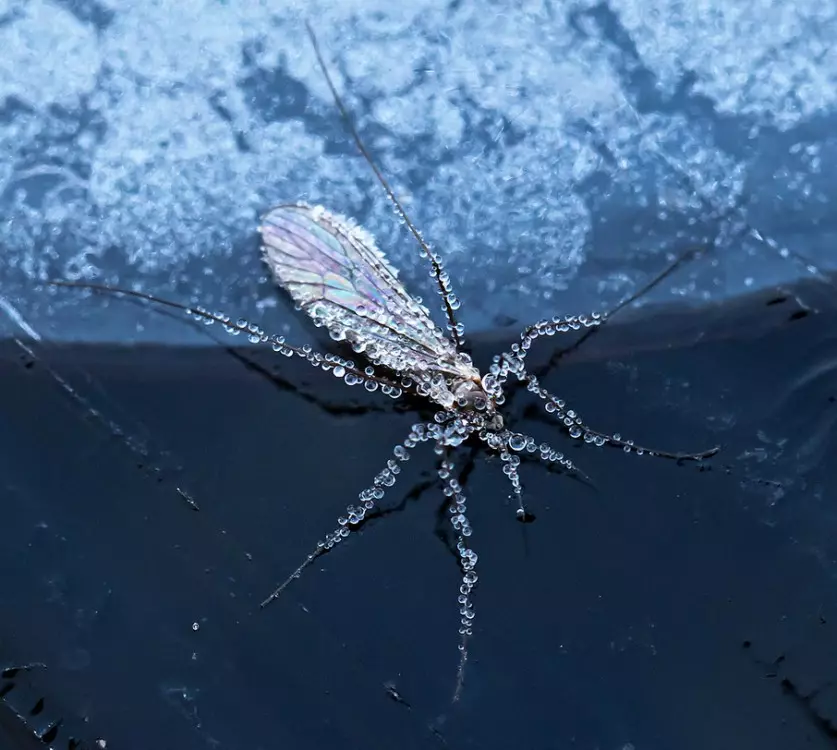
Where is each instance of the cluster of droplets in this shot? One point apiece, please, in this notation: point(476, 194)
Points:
point(380, 330)
point(450, 302)
point(437, 388)
point(559, 324)
point(512, 361)
point(355, 514)
point(493, 387)
point(508, 443)
point(368, 498)
point(359, 236)
point(455, 430)
point(467, 557)
point(341, 368)
point(574, 424)
point(391, 343)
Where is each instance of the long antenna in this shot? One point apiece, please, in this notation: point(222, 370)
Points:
point(443, 283)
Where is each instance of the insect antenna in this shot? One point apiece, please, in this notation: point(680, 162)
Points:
point(338, 366)
point(368, 499)
point(449, 299)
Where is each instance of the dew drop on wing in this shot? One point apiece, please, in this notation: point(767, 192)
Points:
point(337, 275)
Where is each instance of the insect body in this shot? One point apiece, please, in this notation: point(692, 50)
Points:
point(334, 272)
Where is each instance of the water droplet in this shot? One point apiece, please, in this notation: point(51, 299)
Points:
point(517, 442)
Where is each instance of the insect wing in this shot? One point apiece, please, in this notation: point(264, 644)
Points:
point(333, 270)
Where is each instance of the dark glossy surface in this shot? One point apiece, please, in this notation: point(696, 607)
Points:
point(668, 607)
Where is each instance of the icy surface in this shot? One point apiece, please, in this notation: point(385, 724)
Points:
point(556, 155)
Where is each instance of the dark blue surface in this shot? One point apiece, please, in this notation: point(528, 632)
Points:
point(669, 607)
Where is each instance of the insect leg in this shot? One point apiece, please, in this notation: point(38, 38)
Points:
point(507, 443)
point(467, 562)
point(504, 364)
point(356, 514)
point(573, 423)
point(526, 444)
point(558, 324)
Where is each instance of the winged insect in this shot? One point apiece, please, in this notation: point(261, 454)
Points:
point(334, 272)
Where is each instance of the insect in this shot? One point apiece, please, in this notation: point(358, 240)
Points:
point(334, 272)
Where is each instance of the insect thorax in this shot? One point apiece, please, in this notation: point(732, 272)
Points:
point(466, 397)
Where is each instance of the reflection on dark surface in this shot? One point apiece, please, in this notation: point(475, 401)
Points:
point(668, 606)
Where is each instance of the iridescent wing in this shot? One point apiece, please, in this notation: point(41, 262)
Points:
point(335, 273)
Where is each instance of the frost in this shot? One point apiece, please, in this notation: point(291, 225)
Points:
point(48, 56)
point(546, 153)
point(771, 59)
